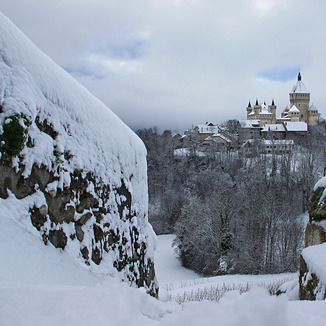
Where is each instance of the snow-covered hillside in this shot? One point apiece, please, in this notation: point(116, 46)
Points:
point(43, 286)
point(76, 171)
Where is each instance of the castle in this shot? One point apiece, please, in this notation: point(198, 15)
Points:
point(299, 111)
point(263, 125)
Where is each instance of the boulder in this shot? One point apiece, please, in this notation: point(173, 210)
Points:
point(312, 281)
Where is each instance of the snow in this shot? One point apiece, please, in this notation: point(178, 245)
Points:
point(43, 286)
point(186, 152)
point(300, 88)
point(219, 135)
point(218, 138)
point(253, 308)
point(278, 142)
point(312, 108)
point(168, 267)
point(27, 262)
point(264, 109)
point(296, 126)
point(294, 109)
point(249, 123)
point(315, 259)
point(93, 137)
point(32, 84)
point(321, 183)
point(273, 127)
point(210, 129)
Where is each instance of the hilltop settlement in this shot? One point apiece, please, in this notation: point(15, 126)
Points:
point(262, 128)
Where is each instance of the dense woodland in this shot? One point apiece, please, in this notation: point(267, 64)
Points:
point(233, 214)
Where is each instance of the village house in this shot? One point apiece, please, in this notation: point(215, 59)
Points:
point(248, 129)
point(214, 139)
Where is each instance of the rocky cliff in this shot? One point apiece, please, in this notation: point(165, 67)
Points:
point(312, 279)
point(77, 171)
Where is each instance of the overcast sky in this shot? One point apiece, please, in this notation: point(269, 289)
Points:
point(178, 63)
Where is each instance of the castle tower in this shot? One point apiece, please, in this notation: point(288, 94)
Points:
point(300, 97)
point(249, 110)
point(312, 115)
point(272, 109)
point(257, 108)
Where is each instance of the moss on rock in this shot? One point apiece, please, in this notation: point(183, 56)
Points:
point(14, 135)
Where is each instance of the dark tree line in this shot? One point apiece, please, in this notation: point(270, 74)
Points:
point(233, 214)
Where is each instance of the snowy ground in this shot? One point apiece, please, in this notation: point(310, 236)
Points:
point(42, 286)
point(181, 284)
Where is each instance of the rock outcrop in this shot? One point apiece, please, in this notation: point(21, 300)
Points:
point(80, 172)
point(312, 279)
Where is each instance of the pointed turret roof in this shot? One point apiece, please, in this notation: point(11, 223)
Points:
point(249, 105)
point(313, 108)
point(273, 103)
point(300, 87)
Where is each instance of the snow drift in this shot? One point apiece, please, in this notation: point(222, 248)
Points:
point(77, 172)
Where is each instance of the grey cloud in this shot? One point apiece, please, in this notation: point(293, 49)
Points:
point(195, 61)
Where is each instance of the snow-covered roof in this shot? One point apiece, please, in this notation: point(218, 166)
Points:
point(278, 142)
point(312, 108)
point(175, 134)
point(296, 126)
point(207, 129)
point(249, 123)
point(284, 118)
point(294, 109)
point(269, 142)
point(264, 109)
point(299, 87)
point(273, 127)
point(218, 135)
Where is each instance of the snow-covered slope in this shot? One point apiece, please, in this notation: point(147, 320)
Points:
point(80, 171)
point(168, 266)
point(43, 286)
point(25, 261)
